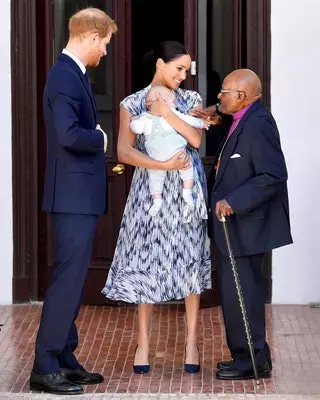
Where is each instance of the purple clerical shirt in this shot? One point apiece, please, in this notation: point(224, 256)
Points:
point(236, 119)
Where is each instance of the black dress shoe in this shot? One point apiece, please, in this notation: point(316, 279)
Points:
point(53, 383)
point(224, 364)
point(228, 364)
point(233, 374)
point(81, 376)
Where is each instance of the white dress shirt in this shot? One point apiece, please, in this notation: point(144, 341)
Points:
point(75, 59)
point(83, 70)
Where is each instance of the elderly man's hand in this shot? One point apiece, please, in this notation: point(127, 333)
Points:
point(223, 208)
point(209, 114)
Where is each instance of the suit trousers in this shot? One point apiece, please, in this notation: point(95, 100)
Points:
point(57, 337)
point(252, 283)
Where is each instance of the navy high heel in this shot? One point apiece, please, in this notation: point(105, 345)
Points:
point(192, 368)
point(140, 369)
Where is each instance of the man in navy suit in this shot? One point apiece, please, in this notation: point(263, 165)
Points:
point(250, 189)
point(74, 196)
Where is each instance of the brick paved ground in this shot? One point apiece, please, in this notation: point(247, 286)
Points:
point(110, 396)
point(108, 339)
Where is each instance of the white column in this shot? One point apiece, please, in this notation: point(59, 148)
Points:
point(295, 101)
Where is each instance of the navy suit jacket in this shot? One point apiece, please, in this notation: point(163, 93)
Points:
point(75, 180)
point(254, 185)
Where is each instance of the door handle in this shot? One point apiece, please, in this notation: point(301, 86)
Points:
point(119, 169)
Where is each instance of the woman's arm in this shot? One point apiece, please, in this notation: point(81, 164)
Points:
point(192, 135)
point(129, 155)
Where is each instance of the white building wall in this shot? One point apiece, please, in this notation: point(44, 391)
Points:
point(295, 102)
point(6, 242)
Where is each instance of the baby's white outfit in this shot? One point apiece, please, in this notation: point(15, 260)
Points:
point(163, 142)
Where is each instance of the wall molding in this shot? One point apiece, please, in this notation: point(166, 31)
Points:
point(24, 149)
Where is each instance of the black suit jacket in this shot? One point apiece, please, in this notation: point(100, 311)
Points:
point(252, 177)
point(75, 180)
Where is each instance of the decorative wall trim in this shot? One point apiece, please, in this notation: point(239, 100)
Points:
point(24, 149)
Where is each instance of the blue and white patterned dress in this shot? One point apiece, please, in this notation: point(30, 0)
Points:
point(164, 257)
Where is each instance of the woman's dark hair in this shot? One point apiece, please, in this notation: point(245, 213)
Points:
point(167, 51)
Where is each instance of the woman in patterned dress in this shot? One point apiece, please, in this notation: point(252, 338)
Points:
point(163, 257)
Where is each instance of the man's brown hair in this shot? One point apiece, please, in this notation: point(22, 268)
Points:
point(91, 20)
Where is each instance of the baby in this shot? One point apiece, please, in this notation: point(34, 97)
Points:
point(163, 142)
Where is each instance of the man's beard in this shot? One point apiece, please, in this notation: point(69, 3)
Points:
point(94, 61)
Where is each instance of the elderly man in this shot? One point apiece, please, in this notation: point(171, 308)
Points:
point(250, 190)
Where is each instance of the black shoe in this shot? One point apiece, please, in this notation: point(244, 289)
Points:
point(233, 374)
point(228, 364)
point(53, 383)
point(81, 376)
point(224, 364)
point(192, 368)
point(140, 369)
point(268, 355)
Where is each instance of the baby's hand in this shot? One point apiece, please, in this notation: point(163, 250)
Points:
point(215, 120)
point(206, 124)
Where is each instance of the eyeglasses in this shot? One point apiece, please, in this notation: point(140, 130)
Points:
point(232, 91)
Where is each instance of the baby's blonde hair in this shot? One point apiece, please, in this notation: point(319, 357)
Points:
point(164, 92)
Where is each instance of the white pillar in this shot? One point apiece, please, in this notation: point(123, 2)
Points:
point(295, 102)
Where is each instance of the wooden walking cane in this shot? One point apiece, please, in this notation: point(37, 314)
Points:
point(240, 297)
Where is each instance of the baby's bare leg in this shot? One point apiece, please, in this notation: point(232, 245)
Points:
point(188, 182)
point(156, 181)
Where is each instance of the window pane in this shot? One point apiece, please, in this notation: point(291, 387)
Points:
point(101, 77)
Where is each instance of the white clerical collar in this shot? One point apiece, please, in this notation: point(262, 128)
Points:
point(75, 59)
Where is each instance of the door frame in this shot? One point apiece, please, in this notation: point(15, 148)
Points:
point(191, 38)
point(29, 222)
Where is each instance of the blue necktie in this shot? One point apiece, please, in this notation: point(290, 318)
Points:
point(88, 83)
point(87, 79)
